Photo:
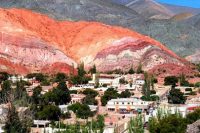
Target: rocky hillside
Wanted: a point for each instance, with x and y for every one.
(39, 43)
(178, 36)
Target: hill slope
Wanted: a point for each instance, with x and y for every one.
(35, 41)
(150, 9)
(180, 37)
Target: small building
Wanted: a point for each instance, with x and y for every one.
(14, 79)
(139, 82)
(77, 98)
(128, 105)
(43, 123)
(103, 79)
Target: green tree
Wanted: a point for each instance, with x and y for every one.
(58, 96)
(38, 76)
(20, 90)
(74, 107)
(131, 70)
(146, 87)
(90, 100)
(62, 86)
(171, 80)
(81, 78)
(100, 123)
(90, 97)
(93, 70)
(176, 96)
(81, 70)
(139, 69)
(125, 94)
(49, 112)
(84, 112)
(81, 110)
(13, 123)
(60, 77)
(136, 125)
(109, 94)
(183, 81)
(90, 92)
(5, 91)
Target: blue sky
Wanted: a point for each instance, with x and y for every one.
(189, 3)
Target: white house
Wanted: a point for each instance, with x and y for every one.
(128, 105)
(14, 79)
(139, 82)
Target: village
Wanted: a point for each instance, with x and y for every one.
(116, 98)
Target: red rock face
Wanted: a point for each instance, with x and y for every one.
(39, 43)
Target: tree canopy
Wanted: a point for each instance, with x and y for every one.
(81, 110)
(171, 80)
(176, 96)
(109, 94)
(125, 94)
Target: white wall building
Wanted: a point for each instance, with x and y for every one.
(128, 105)
(14, 79)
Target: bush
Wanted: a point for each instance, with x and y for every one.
(194, 116)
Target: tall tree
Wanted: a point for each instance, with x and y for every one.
(146, 87)
(93, 70)
(81, 70)
(5, 92)
(131, 70)
(13, 123)
(139, 69)
(36, 97)
(183, 81)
